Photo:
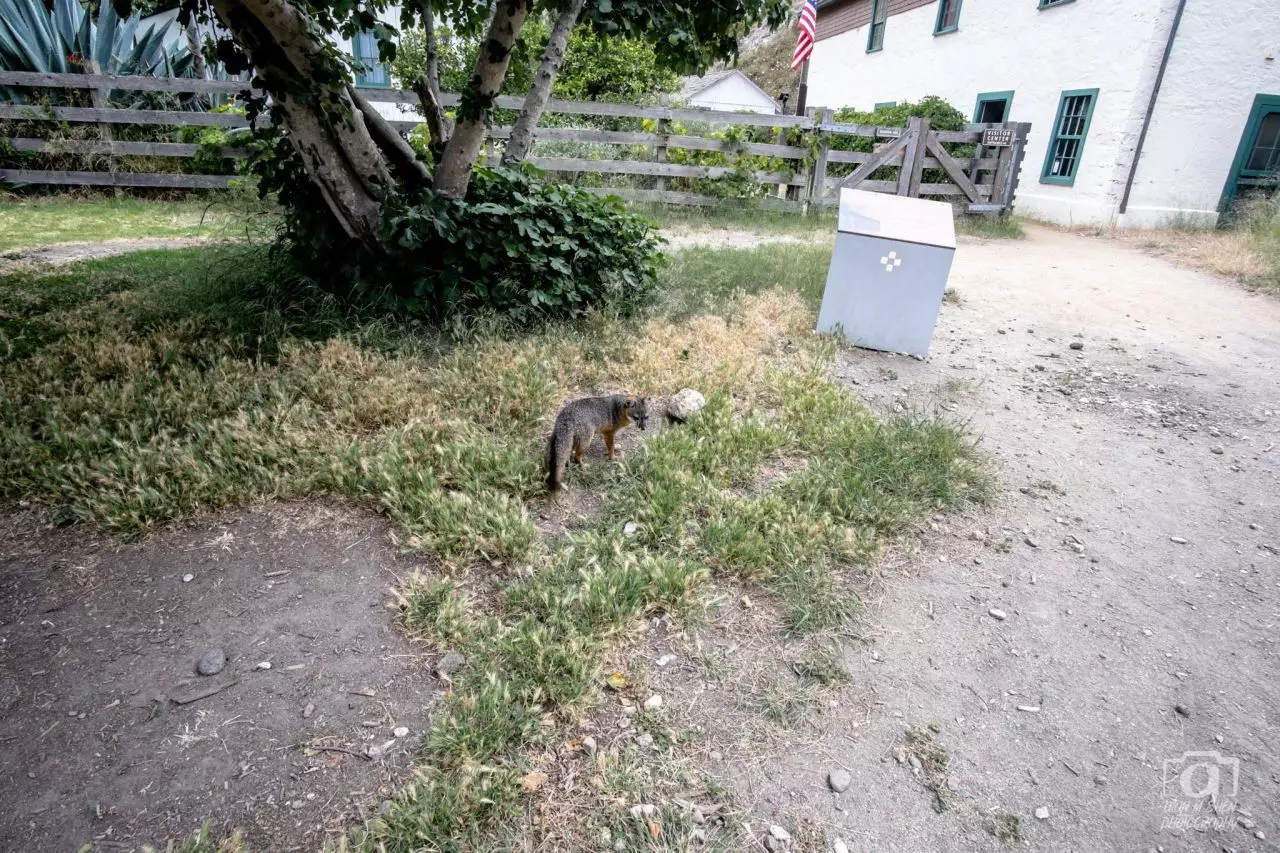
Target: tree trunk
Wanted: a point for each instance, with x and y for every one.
(454, 171)
(323, 124)
(398, 152)
(427, 87)
(433, 50)
(536, 101)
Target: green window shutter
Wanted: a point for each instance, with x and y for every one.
(1066, 145)
(879, 18)
(948, 17)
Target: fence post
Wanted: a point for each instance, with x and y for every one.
(913, 157)
(660, 150)
(818, 177)
(1010, 166)
(98, 98)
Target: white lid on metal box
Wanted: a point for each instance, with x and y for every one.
(892, 217)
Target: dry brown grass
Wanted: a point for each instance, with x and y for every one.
(1230, 252)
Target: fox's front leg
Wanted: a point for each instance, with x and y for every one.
(608, 444)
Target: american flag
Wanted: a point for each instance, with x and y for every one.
(804, 41)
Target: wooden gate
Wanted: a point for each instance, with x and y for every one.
(987, 181)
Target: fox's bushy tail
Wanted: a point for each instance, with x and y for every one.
(558, 448)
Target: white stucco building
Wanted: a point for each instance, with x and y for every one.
(1201, 76)
(727, 90)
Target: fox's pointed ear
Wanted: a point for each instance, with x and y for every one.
(631, 399)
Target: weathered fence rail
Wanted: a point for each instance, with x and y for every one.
(983, 182)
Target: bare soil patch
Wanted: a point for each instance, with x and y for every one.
(104, 731)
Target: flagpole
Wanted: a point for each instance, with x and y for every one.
(802, 91)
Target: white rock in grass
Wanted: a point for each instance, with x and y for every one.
(685, 404)
(653, 703)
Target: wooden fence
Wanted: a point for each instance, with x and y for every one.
(983, 182)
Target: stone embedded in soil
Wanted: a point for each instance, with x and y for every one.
(778, 839)
(1033, 543)
(685, 404)
(308, 710)
(839, 846)
(188, 578)
(1177, 540)
(1077, 345)
(1217, 450)
(1182, 709)
(450, 663)
(266, 664)
(914, 761)
(589, 745)
(665, 659)
(996, 613)
(642, 810)
(629, 529)
(839, 780)
(645, 741)
(1042, 813)
(653, 703)
(400, 731)
(211, 662)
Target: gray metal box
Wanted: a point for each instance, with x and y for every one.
(888, 272)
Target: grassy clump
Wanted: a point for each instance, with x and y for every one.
(158, 390)
(991, 227)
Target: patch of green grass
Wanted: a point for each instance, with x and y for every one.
(820, 221)
(951, 296)
(702, 279)
(147, 388)
(991, 227)
(44, 221)
(789, 705)
(1262, 221)
(922, 745)
(823, 665)
(1007, 828)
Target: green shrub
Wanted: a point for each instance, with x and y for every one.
(517, 247)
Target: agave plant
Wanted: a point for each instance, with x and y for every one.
(67, 40)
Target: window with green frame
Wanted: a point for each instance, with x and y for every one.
(879, 17)
(364, 47)
(1062, 160)
(948, 17)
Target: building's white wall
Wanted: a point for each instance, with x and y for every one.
(1221, 59)
(1012, 44)
(733, 93)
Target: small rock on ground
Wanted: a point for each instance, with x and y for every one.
(1182, 710)
(839, 780)
(685, 404)
(400, 731)
(645, 741)
(996, 613)
(211, 662)
(589, 745)
(1042, 813)
(840, 847)
(653, 703)
(449, 664)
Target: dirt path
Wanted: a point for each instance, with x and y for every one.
(110, 735)
(1134, 555)
(66, 253)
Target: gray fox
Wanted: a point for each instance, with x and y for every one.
(580, 420)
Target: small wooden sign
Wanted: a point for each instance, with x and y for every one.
(994, 137)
